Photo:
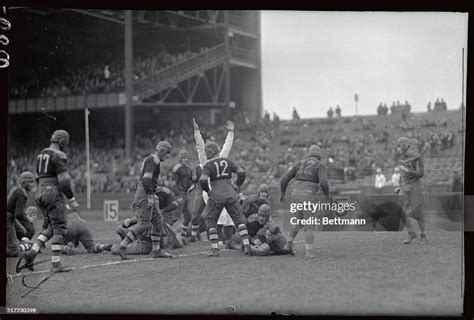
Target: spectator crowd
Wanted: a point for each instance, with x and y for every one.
(94, 77)
(354, 145)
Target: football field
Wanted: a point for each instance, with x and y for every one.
(354, 273)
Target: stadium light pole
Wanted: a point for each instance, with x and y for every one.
(356, 99)
(128, 82)
(88, 161)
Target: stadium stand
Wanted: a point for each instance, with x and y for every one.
(353, 146)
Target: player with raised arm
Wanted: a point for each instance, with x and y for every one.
(411, 192)
(224, 223)
(144, 202)
(217, 173)
(310, 175)
(53, 184)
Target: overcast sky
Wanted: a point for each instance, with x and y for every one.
(314, 60)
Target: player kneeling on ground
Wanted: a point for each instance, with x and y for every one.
(265, 235)
(78, 232)
(18, 225)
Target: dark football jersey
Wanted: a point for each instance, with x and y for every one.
(253, 227)
(183, 176)
(307, 170)
(219, 169)
(16, 201)
(50, 162)
(251, 205)
(150, 170)
(165, 198)
(414, 163)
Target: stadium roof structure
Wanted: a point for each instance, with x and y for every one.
(171, 20)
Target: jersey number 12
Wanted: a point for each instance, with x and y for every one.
(222, 172)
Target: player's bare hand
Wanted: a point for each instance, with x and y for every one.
(230, 125)
(195, 125)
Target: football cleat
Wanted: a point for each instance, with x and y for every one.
(162, 254)
(423, 238)
(121, 251)
(213, 253)
(220, 244)
(57, 268)
(410, 238)
(30, 256)
(247, 249)
(232, 246)
(308, 256)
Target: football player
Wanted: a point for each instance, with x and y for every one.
(411, 194)
(184, 179)
(196, 207)
(268, 240)
(17, 219)
(310, 175)
(218, 173)
(53, 184)
(167, 203)
(78, 232)
(265, 235)
(19, 226)
(254, 201)
(144, 202)
(224, 222)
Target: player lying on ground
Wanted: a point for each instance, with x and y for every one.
(144, 203)
(411, 190)
(143, 245)
(225, 226)
(218, 173)
(53, 184)
(78, 232)
(265, 235)
(310, 175)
